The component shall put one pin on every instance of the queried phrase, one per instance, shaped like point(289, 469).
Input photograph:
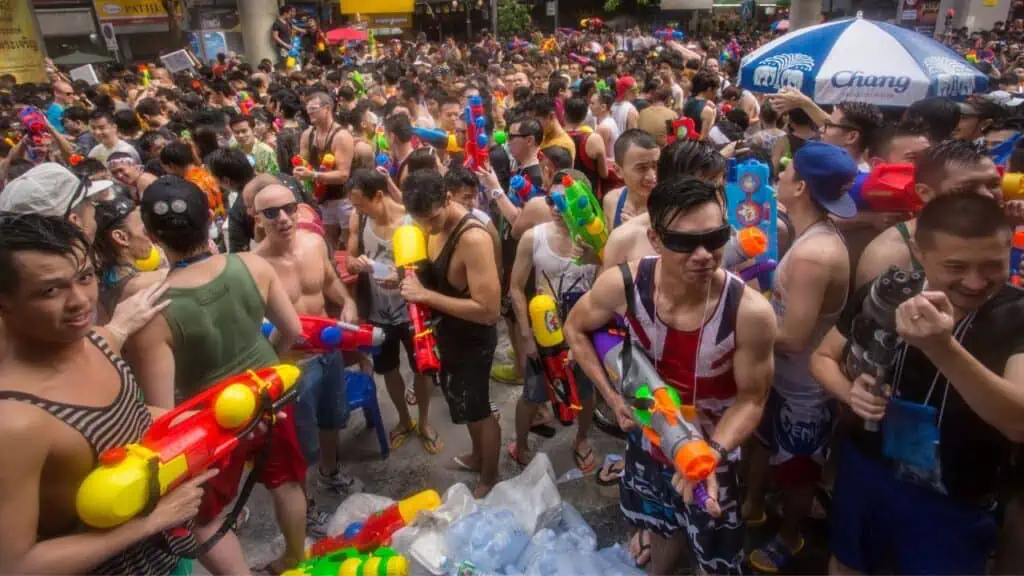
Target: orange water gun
point(377, 530)
point(181, 444)
point(327, 164)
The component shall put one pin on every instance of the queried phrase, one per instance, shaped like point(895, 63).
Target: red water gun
point(1017, 258)
point(326, 334)
point(581, 60)
point(681, 129)
point(410, 247)
point(327, 164)
point(245, 103)
point(887, 188)
point(554, 354)
point(377, 530)
point(477, 144)
point(182, 444)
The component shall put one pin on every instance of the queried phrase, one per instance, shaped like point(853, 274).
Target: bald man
point(301, 261)
point(63, 96)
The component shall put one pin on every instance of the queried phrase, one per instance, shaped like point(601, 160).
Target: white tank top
point(568, 281)
point(792, 371)
point(388, 306)
point(612, 125)
point(620, 112)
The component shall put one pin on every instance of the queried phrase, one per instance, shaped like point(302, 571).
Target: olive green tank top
point(216, 329)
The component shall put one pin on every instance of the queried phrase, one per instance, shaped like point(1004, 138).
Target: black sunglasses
point(272, 213)
point(687, 242)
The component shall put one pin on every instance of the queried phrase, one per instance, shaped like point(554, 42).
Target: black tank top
point(692, 110)
point(122, 422)
point(333, 191)
point(457, 333)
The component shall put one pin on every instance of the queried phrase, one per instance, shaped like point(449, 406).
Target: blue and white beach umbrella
point(863, 61)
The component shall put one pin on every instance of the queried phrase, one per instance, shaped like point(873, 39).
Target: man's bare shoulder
point(756, 316)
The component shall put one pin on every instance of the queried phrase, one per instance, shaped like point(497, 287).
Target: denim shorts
point(322, 403)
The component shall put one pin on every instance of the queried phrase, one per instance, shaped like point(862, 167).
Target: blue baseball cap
point(829, 172)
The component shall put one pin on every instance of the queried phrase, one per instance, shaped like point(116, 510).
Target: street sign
point(108, 34)
point(552, 8)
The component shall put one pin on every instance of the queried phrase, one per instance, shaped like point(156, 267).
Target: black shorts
point(466, 379)
point(395, 335)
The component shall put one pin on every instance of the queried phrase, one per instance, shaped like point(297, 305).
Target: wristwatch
point(495, 193)
point(717, 447)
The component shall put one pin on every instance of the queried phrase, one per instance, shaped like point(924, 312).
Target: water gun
point(681, 129)
point(751, 203)
point(383, 160)
point(887, 188)
point(517, 44)
point(245, 103)
point(150, 262)
point(500, 137)
point(377, 530)
point(326, 334)
point(522, 190)
point(602, 86)
point(410, 247)
point(669, 34)
point(293, 53)
point(592, 23)
point(181, 444)
point(327, 164)
point(349, 562)
point(437, 138)
point(33, 121)
point(1017, 259)
point(381, 140)
point(554, 354)
point(658, 410)
point(477, 145)
point(144, 72)
point(1013, 186)
point(358, 82)
point(581, 60)
point(549, 46)
point(298, 161)
point(582, 214)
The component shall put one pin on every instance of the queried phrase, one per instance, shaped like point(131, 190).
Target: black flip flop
point(543, 430)
point(602, 478)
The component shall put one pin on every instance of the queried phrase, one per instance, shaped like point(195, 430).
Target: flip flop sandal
point(399, 435)
point(774, 556)
point(512, 449)
point(461, 465)
point(645, 546)
point(432, 444)
point(543, 430)
point(608, 476)
point(410, 397)
point(580, 459)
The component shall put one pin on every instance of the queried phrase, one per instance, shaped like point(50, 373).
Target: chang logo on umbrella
point(857, 79)
point(783, 71)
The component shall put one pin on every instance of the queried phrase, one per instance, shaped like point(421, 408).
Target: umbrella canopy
point(80, 59)
point(863, 61)
point(339, 35)
point(780, 25)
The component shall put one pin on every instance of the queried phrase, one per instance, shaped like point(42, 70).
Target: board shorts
point(388, 358)
point(322, 404)
point(797, 438)
point(648, 500)
point(465, 379)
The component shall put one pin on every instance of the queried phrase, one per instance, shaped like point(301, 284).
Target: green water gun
point(359, 82)
point(383, 561)
point(582, 214)
point(602, 86)
point(500, 137)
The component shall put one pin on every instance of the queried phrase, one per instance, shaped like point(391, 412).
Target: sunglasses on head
point(118, 209)
point(272, 213)
point(78, 196)
point(687, 242)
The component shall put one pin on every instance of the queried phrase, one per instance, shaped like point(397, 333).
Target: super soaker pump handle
point(181, 444)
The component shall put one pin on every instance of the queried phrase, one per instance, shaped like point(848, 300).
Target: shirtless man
point(947, 167)
point(304, 268)
point(130, 173)
point(465, 295)
point(66, 396)
point(211, 330)
point(325, 136)
point(636, 155)
point(684, 311)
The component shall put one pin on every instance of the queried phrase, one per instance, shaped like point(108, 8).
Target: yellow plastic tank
point(410, 245)
point(547, 328)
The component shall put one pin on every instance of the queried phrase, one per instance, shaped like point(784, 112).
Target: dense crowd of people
point(150, 223)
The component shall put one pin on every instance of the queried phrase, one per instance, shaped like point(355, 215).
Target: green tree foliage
point(513, 18)
point(613, 5)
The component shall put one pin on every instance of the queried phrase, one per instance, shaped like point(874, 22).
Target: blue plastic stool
point(361, 392)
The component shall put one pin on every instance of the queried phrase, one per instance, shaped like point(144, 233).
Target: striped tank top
point(122, 422)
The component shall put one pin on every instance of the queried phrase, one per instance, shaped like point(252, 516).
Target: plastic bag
point(422, 542)
point(528, 495)
point(356, 508)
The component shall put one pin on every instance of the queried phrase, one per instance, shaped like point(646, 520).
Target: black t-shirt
point(510, 244)
point(972, 452)
point(284, 31)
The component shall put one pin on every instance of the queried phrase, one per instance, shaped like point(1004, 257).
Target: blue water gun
point(477, 143)
point(294, 52)
point(751, 203)
point(669, 34)
point(436, 137)
point(522, 190)
point(384, 161)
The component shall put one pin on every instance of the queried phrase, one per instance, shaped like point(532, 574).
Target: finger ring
point(915, 317)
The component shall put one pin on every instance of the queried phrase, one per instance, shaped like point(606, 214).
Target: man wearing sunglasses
point(854, 126)
point(326, 136)
point(63, 96)
point(710, 337)
point(809, 291)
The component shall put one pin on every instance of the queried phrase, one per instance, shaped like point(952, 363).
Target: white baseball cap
point(49, 189)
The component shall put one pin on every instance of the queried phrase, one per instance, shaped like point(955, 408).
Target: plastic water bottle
point(490, 539)
point(576, 532)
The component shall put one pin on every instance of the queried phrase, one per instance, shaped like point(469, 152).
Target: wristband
point(495, 193)
point(717, 447)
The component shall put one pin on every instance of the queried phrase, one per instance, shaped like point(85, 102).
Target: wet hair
point(931, 166)
point(560, 157)
point(542, 105)
point(799, 117)
point(529, 127)
point(575, 110)
point(111, 213)
point(287, 146)
point(460, 177)
point(630, 138)
point(964, 215)
point(401, 126)
point(148, 107)
point(370, 183)
point(178, 154)
point(419, 159)
point(101, 113)
point(692, 158)
point(940, 115)
point(36, 233)
point(867, 118)
point(704, 81)
point(678, 195)
point(885, 136)
point(232, 165)
point(146, 141)
point(422, 192)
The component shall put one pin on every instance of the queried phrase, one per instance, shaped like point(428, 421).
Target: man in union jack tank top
point(711, 339)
